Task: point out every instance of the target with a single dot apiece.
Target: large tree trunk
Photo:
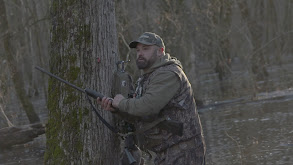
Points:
(83, 51)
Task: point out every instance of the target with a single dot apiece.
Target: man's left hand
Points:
(117, 100)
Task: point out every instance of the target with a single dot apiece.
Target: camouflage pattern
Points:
(148, 38)
(173, 149)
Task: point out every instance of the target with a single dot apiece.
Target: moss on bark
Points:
(63, 128)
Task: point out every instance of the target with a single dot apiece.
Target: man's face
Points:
(146, 55)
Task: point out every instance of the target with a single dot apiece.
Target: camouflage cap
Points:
(148, 38)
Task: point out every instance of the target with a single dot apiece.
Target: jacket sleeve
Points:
(159, 92)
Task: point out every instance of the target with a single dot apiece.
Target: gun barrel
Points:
(91, 93)
(60, 79)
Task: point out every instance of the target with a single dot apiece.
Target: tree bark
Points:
(83, 52)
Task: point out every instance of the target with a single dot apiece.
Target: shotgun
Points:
(94, 95)
(89, 92)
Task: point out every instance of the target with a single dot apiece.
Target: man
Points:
(163, 103)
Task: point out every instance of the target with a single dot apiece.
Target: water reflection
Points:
(237, 132)
(255, 132)
(31, 153)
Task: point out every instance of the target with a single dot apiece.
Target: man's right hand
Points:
(106, 103)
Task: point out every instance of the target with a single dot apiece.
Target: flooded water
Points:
(237, 132)
(31, 153)
(250, 132)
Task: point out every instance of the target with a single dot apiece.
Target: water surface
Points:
(252, 132)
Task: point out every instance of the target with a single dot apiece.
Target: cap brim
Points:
(133, 44)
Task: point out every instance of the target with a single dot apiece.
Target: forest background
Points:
(231, 50)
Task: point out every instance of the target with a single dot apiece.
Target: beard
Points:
(143, 63)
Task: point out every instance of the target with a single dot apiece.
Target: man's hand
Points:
(106, 103)
(110, 104)
(117, 100)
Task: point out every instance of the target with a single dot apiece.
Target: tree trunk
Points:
(83, 52)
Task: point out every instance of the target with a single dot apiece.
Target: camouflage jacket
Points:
(164, 92)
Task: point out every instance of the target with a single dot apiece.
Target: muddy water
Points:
(31, 153)
(237, 132)
(250, 132)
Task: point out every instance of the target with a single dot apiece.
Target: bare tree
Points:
(83, 51)
(15, 73)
